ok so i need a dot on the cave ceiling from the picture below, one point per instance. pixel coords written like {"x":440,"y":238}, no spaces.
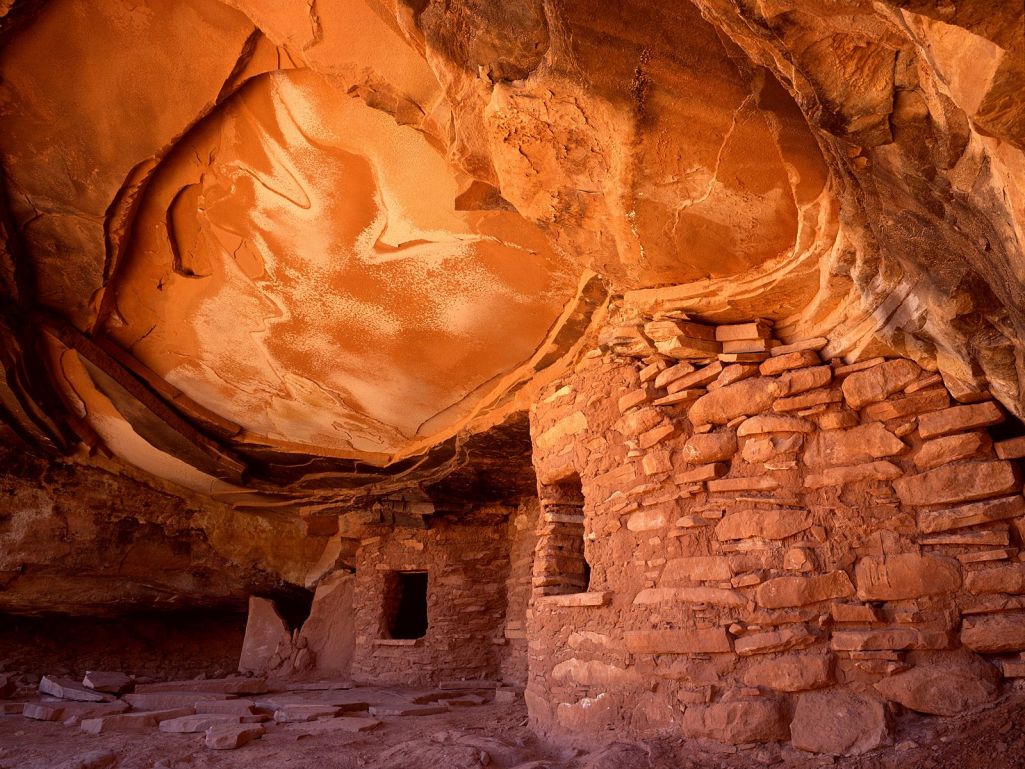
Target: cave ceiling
{"x":297,"y":254}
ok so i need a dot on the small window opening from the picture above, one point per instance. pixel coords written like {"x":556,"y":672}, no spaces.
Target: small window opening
{"x":560,"y":565}
{"x":405,"y":605}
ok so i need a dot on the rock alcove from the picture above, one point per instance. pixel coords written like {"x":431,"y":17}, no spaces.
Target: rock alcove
{"x":639,"y":373}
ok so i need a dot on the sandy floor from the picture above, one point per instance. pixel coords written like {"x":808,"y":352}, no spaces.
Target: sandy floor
{"x":493,"y":735}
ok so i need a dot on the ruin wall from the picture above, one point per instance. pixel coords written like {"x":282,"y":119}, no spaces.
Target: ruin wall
{"x":770,"y":547}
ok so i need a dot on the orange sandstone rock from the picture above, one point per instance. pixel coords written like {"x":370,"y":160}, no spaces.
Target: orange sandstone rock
{"x":905,"y":575}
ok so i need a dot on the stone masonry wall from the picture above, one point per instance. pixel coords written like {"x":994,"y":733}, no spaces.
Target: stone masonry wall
{"x":467,"y":567}
{"x":779,"y":547}
{"x":522,"y":540}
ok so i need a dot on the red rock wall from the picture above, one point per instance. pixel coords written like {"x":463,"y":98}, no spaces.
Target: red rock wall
{"x":467,"y":567}
{"x":788,"y":549}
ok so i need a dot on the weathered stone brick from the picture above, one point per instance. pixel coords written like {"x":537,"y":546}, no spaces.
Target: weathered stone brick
{"x":769,"y":642}
{"x":911,"y":405}
{"x":905,"y":575}
{"x":737,"y":722}
{"x":697,"y":568}
{"x":972,"y":514}
{"x":951,"y":448}
{"x":958,"y":483}
{"x":959,"y":419}
{"x":750,"y":396}
{"x":712,"y":595}
{"x":1002,"y":579}
{"x":799,"y":591}
{"x":838,"y":476}
{"x":710,"y":447}
{"x":995,"y":633}
{"x":792,"y":672}
{"x":791,"y":360}
{"x":890,"y":638}
{"x":696,"y":641}
{"x":767,"y":524}
{"x":851,"y":447}
{"x":773,"y":423}
{"x":802,"y":380}
{"x":879,"y":382}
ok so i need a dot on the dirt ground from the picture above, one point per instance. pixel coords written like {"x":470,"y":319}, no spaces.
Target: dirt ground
{"x":497,"y":736}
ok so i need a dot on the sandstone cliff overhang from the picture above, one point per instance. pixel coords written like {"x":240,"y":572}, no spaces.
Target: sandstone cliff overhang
{"x":298,"y":256}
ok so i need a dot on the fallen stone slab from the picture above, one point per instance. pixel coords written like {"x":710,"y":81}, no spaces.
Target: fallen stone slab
{"x":111,"y":682}
{"x":43,"y":711}
{"x":351,"y":724}
{"x":66,"y":689}
{"x":384,"y":711}
{"x":11,"y":708}
{"x":168,"y":700}
{"x":231,"y":736}
{"x":232,"y":685}
{"x":132,"y":722}
{"x":319,"y":686}
{"x":288,"y":714}
{"x":199,"y":722}
{"x":69,"y":712}
{"x":233,"y":707}
{"x":76,"y":712}
{"x":431,"y":698}
{"x":455,"y":684}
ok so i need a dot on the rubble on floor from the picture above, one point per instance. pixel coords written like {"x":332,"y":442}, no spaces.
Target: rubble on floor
{"x":231,"y":712}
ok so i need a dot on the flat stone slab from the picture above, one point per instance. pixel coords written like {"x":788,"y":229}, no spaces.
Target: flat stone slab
{"x":469,"y":684}
{"x":317,"y":686}
{"x":234,"y":707}
{"x":382,"y":711}
{"x":168,"y":700}
{"x":66,"y":689}
{"x":431,"y":698}
{"x":199,"y":722}
{"x":333,"y":725}
{"x":112,"y":682}
{"x":288,"y":714}
{"x":132,"y":722}
{"x":233,"y":685}
{"x":71,"y":713}
{"x":11,"y":708}
{"x":76,"y":712}
{"x":231,"y":736}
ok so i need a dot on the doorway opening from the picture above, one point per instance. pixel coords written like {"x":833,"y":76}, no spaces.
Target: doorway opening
{"x":405,"y":605}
